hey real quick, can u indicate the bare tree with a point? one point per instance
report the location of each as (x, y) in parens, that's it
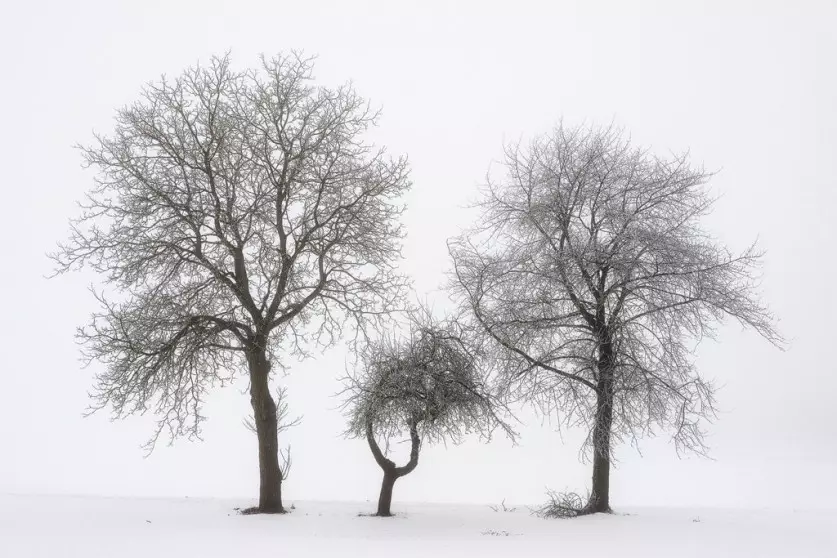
(592, 277)
(427, 387)
(238, 215)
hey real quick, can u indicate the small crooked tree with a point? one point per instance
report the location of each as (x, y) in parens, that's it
(238, 215)
(592, 279)
(426, 387)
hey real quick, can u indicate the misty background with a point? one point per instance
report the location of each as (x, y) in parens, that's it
(748, 87)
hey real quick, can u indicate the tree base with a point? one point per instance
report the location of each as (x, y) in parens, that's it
(256, 510)
(362, 514)
(590, 510)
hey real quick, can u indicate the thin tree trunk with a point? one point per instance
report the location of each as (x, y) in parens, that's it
(385, 498)
(391, 472)
(264, 411)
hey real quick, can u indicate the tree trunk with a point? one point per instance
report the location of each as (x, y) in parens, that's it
(385, 498)
(600, 494)
(391, 472)
(264, 411)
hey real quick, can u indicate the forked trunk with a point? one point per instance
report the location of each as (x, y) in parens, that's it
(264, 411)
(391, 472)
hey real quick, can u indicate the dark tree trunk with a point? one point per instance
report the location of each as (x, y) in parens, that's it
(385, 498)
(600, 494)
(391, 472)
(264, 411)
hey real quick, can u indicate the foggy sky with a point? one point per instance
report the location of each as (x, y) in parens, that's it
(748, 87)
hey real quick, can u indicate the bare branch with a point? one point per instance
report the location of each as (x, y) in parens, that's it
(591, 279)
(233, 212)
(427, 387)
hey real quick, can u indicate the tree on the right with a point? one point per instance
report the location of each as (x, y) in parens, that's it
(594, 281)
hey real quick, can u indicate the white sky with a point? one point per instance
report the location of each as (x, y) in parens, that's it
(748, 86)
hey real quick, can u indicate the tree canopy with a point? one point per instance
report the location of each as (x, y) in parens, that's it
(593, 278)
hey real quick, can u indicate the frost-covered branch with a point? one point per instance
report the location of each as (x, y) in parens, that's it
(592, 279)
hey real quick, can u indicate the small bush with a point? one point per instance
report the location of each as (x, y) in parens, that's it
(561, 505)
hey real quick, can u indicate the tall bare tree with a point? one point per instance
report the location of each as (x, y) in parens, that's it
(427, 387)
(594, 280)
(240, 216)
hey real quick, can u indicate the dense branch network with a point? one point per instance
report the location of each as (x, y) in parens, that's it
(592, 277)
(230, 209)
(427, 387)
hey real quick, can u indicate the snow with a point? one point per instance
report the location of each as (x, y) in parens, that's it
(90, 527)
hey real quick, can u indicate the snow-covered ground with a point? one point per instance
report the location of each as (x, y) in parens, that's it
(88, 527)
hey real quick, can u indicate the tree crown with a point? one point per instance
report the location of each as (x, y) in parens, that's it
(429, 382)
(233, 211)
(590, 244)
